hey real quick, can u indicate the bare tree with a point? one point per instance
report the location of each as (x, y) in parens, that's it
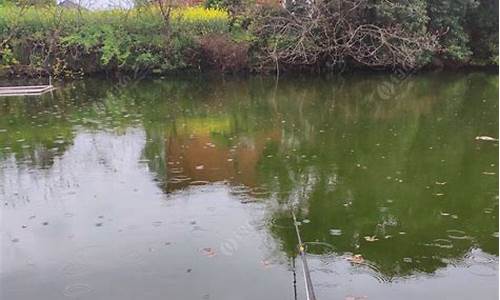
(332, 31)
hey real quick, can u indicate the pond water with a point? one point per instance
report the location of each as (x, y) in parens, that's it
(183, 188)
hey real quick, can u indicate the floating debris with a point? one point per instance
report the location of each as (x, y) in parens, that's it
(306, 221)
(200, 167)
(371, 238)
(208, 252)
(486, 138)
(266, 263)
(335, 232)
(356, 259)
(489, 173)
(347, 204)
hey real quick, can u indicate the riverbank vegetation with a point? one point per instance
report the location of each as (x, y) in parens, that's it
(161, 36)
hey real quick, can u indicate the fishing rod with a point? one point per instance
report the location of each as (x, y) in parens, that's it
(305, 269)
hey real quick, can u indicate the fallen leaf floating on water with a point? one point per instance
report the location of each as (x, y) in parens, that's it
(356, 259)
(486, 138)
(371, 238)
(208, 252)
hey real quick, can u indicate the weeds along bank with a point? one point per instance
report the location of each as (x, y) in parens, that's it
(235, 36)
(70, 42)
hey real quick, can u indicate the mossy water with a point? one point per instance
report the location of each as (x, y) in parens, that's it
(182, 189)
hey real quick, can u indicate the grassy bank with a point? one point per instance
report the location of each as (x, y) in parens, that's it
(234, 36)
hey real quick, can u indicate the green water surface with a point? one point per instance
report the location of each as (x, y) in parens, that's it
(182, 188)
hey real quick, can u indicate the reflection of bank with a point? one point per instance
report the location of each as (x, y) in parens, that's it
(200, 155)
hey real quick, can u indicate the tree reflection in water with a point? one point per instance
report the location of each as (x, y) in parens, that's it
(400, 180)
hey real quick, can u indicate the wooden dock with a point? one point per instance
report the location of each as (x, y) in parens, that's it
(25, 90)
